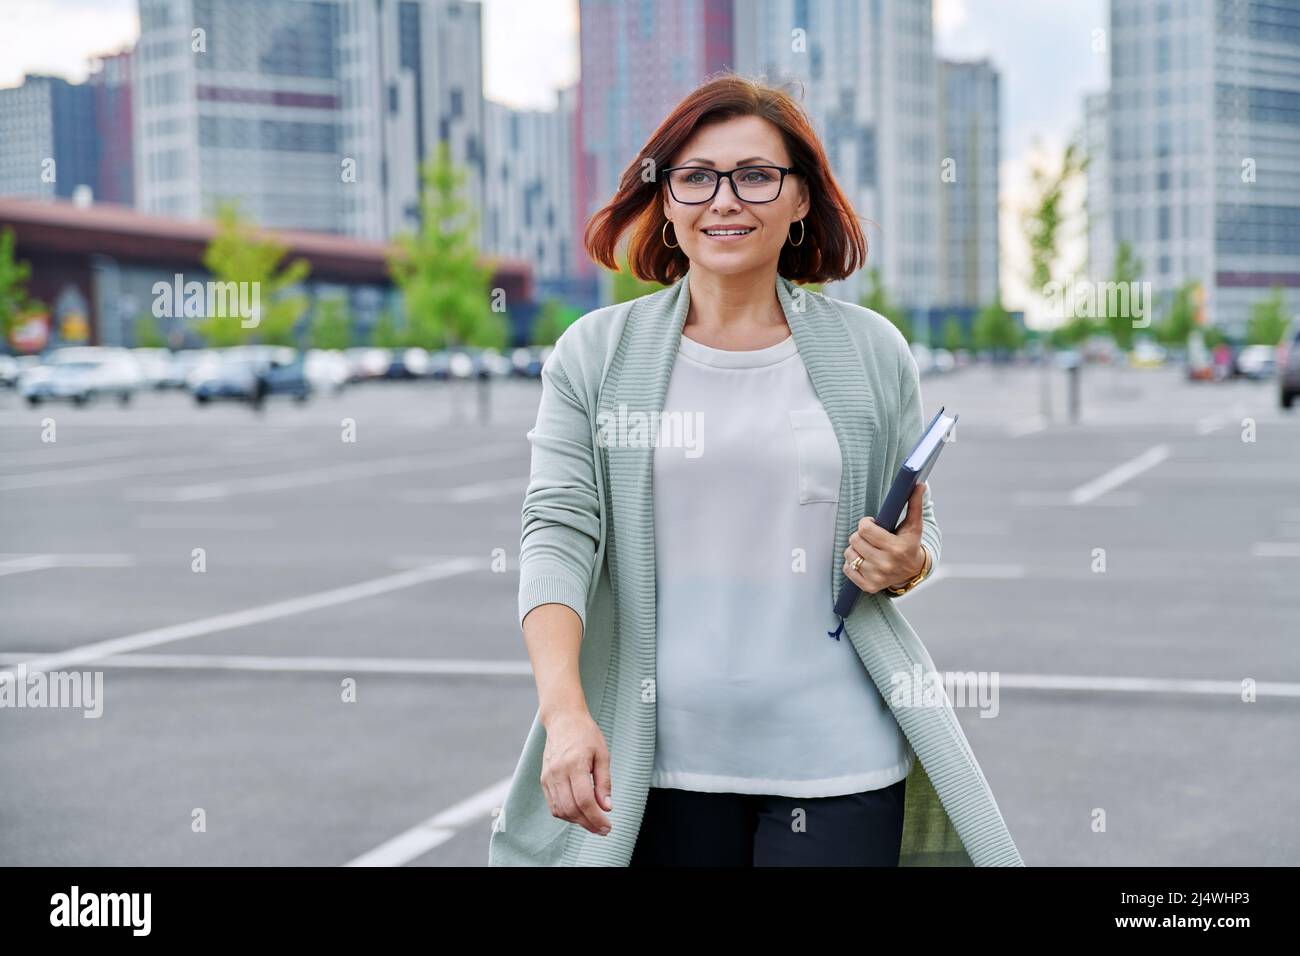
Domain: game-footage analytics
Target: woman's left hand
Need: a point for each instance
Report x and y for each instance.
(889, 559)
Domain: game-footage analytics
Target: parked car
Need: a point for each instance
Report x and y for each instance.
(1258, 361)
(154, 365)
(440, 364)
(367, 362)
(526, 362)
(408, 363)
(326, 369)
(9, 369)
(1288, 364)
(1147, 354)
(181, 364)
(251, 376)
(81, 373)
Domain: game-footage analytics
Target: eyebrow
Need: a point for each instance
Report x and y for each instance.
(743, 162)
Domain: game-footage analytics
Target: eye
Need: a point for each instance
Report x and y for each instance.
(757, 175)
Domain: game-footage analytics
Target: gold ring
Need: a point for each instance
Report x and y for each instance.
(857, 561)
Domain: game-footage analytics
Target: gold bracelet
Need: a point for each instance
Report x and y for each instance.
(925, 569)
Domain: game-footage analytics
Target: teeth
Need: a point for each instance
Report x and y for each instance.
(727, 232)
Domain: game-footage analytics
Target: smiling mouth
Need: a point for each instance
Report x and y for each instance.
(734, 231)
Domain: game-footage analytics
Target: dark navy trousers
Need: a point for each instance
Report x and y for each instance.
(693, 828)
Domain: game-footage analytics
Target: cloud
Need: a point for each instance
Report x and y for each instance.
(42, 36)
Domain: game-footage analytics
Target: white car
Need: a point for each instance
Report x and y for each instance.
(1257, 361)
(326, 369)
(80, 373)
(154, 365)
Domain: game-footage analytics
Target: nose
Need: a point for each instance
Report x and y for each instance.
(724, 182)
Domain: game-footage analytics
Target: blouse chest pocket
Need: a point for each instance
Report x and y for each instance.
(819, 455)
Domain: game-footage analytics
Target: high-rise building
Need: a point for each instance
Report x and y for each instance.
(1203, 137)
(47, 128)
(110, 84)
(639, 60)
(969, 149)
(312, 114)
(529, 212)
(1101, 251)
(869, 72)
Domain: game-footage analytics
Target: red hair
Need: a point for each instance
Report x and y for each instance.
(834, 246)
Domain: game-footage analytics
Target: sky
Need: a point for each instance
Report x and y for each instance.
(1043, 48)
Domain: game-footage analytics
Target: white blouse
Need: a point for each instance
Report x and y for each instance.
(753, 695)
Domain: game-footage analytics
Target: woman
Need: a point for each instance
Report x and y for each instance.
(702, 460)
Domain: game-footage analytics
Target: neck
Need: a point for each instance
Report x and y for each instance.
(730, 303)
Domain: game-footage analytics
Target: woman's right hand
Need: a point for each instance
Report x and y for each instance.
(575, 753)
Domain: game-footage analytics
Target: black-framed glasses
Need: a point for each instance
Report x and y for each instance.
(692, 185)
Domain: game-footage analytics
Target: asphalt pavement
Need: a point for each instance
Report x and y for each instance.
(304, 619)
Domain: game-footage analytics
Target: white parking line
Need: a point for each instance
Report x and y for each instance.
(44, 453)
(1210, 423)
(43, 562)
(506, 488)
(1146, 685)
(345, 665)
(256, 615)
(324, 474)
(968, 571)
(436, 830)
(69, 476)
(1118, 475)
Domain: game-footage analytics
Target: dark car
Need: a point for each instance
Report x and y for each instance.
(1288, 364)
(252, 379)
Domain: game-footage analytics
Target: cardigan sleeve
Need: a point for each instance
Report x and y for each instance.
(560, 524)
(911, 424)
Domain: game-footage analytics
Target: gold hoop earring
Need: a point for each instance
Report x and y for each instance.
(803, 230)
(663, 234)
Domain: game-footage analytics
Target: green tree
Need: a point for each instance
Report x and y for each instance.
(626, 286)
(384, 335)
(995, 330)
(1267, 320)
(1179, 317)
(552, 319)
(877, 299)
(14, 302)
(1117, 311)
(1070, 334)
(1043, 221)
(954, 337)
(331, 327)
(147, 335)
(445, 289)
(238, 254)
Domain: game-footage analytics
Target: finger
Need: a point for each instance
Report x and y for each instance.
(915, 505)
(584, 796)
(865, 577)
(604, 783)
(873, 534)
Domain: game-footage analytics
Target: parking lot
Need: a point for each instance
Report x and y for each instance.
(305, 618)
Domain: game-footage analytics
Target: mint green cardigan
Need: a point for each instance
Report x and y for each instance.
(587, 541)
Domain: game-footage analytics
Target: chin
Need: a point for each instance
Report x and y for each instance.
(724, 265)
